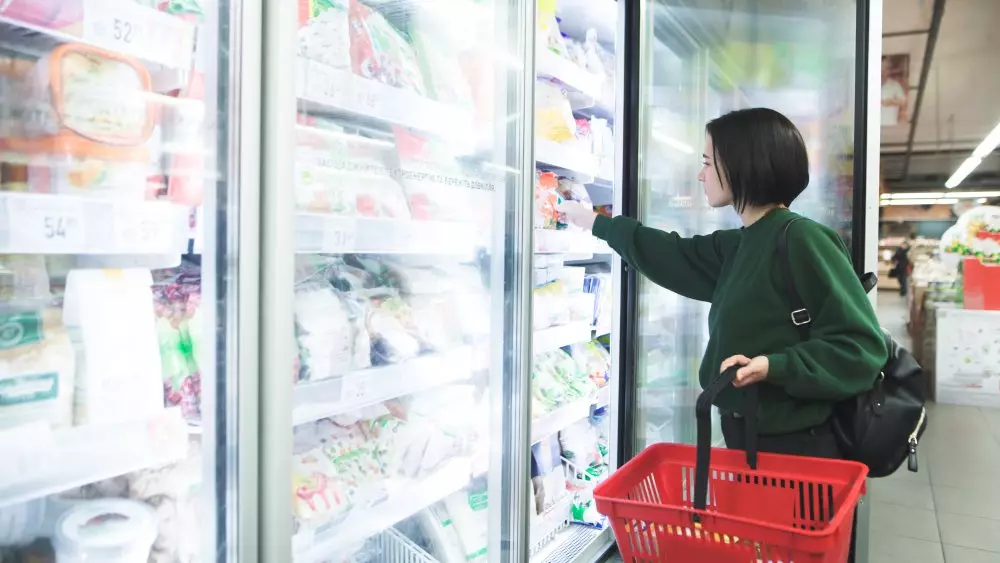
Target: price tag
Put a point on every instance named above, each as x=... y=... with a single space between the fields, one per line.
x=354 y=389
x=340 y=235
x=143 y=227
x=132 y=29
x=343 y=89
x=46 y=224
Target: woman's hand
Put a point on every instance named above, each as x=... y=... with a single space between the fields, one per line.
x=579 y=214
x=752 y=371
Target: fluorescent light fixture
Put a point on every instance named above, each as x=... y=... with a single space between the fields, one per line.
x=981 y=200
x=964 y=170
x=984 y=149
x=989 y=144
x=936 y=195
x=941 y=201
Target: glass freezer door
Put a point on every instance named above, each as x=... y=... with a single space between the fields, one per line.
x=700 y=61
x=404 y=171
x=115 y=405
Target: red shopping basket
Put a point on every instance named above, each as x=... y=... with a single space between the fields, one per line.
x=790 y=509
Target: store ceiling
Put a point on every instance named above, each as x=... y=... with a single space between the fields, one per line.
x=960 y=102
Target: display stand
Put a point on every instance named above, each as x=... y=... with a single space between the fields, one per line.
x=968 y=357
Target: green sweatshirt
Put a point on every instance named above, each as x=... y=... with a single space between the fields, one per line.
x=738 y=272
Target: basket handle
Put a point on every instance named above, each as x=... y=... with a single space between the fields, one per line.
x=703 y=410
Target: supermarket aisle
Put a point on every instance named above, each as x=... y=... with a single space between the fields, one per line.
x=950 y=510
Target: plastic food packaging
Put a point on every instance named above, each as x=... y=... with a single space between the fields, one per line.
x=106 y=530
x=570 y=377
x=554 y=119
x=88 y=103
x=380 y=52
x=547 y=476
x=37 y=369
x=441 y=535
x=547 y=200
x=437 y=188
x=547 y=392
x=445 y=79
x=469 y=515
x=594 y=360
x=392 y=330
x=324 y=32
x=331 y=333
x=551 y=305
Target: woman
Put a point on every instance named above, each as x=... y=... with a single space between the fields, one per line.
x=756 y=162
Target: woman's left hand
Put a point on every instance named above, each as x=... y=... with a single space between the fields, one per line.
x=752 y=370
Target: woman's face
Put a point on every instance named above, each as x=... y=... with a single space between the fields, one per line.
x=716 y=189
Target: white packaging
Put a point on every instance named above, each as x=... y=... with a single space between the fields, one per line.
x=105 y=530
x=470 y=516
x=36 y=370
x=110 y=319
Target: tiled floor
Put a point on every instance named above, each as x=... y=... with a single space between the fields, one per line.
x=950 y=510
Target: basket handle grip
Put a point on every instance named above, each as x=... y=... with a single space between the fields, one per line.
x=703 y=410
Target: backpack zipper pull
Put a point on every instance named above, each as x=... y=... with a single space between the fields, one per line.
x=911 y=459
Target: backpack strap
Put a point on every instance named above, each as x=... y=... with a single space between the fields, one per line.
x=800 y=313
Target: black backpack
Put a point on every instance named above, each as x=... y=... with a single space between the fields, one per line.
x=880 y=427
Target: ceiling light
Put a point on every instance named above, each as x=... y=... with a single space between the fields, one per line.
x=964 y=170
x=936 y=195
x=981 y=200
x=941 y=201
x=989 y=144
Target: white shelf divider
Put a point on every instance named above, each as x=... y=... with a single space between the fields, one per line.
x=318 y=232
x=568 y=158
x=548 y=339
x=65 y=224
x=344 y=91
x=551 y=241
x=404 y=500
x=548 y=424
x=568 y=73
x=38 y=462
x=314 y=400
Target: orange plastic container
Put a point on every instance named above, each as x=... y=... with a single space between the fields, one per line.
x=791 y=509
x=980 y=285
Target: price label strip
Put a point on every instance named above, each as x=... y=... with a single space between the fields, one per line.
x=46 y=225
x=135 y=30
x=145 y=227
x=340 y=235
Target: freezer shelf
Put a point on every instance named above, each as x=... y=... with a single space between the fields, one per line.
x=126 y=28
x=568 y=73
x=333 y=234
x=568 y=158
x=551 y=423
x=553 y=338
x=550 y=241
x=63 y=224
x=314 y=400
x=344 y=91
x=407 y=499
x=38 y=461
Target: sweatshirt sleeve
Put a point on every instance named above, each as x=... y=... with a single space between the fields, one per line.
x=687 y=266
x=845 y=350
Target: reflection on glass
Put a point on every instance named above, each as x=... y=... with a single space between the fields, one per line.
x=111 y=400
x=399 y=188
x=702 y=60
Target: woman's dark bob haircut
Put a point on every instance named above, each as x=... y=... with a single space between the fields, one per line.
x=761 y=155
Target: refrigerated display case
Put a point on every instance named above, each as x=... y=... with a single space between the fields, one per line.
x=115 y=407
x=573 y=295
x=404 y=175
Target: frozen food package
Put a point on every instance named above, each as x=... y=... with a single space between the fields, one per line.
x=547 y=200
x=317 y=494
x=24 y=281
x=37 y=369
x=436 y=320
x=437 y=187
x=323 y=190
x=84 y=176
x=398 y=444
x=324 y=32
x=442 y=537
x=547 y=474
x=551 y=305
x=570 y=377
x=359 y=474
x=380 y=52
x=468 y=509
x=594 y=360
x=391 y=328
x=91 y=103
x=331 y=332
x=579 y=444
x=547 y=392
x=444 y=77
x=581 y=307
x=554 y=119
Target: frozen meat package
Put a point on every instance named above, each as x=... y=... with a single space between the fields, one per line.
x=330 y=328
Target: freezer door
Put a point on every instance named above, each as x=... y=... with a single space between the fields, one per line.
x=702 y=60
x=395 y=185
x=118 y=307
